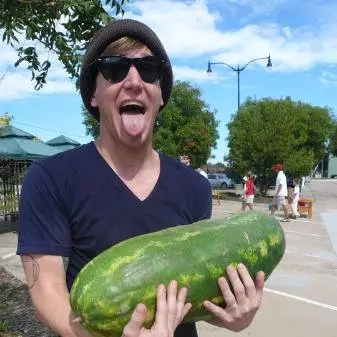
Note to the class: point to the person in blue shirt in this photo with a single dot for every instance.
(78, 203)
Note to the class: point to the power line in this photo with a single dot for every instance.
(47, 129)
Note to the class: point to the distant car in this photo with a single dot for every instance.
(333, 176)
(220, 180)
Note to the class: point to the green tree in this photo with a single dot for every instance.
(268, 131)
(63, 27)
(90, 123)
(333, 143)
(185, 126)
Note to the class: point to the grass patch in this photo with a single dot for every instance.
(235, 196)
(4, 326)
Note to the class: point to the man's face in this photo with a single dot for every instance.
(128, 108)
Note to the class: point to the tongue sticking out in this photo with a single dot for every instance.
(133, 119)
(133, 123)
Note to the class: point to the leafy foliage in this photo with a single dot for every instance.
(64, 27)
(90, 123)
(333, 144)
(185, 126)
(268, 131)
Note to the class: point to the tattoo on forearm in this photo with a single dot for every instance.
(35, 270)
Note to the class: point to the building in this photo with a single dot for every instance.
(18, 149)
(332, 166)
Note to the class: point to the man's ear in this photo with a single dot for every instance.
(93, 101)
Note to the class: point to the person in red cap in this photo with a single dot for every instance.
(281, 192)
(248, 192)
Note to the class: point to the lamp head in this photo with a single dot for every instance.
(209, 69)
(269, 64)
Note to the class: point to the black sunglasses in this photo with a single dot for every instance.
(115, 68)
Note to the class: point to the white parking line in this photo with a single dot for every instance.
(7, 256)
(302, 299)
(222, 211)
(331, 258)
(304, 233)
(309, 221)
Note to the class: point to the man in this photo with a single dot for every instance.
(248, 192)
(185, 160)
(80, 202)
(281, 192)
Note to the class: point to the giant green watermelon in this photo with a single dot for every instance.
(108, 288)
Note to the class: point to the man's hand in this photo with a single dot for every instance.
(242, 304)
(171, 310)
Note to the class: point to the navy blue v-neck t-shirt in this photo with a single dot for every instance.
(74, 205)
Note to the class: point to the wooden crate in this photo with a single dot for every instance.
(305, 207)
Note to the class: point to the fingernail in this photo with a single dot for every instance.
(221, 279)
(77, 320)
(230, 268)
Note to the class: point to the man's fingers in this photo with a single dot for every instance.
(247, 281)
(172, 303)
(182, 307)
(161, 313)
(132, 329)
(187, 308)
(238, 287)
(227, 294)
(259, 284)
(217, 311)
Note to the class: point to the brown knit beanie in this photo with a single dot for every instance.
(112, 32)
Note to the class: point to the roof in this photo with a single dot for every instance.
(9, 131)
(63, 143)
(17, 144)
(62, 140)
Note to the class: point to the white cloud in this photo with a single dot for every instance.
(186, 28)
(19, 86)
(328, 78)
(190, 30)
(187, 73)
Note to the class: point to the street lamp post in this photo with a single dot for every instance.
(238, 70)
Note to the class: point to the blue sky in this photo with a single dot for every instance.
(300, 36)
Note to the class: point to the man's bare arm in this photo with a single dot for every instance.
(46, 281)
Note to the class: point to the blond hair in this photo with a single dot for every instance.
(122, 46)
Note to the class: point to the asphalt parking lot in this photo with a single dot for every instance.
(300, 297)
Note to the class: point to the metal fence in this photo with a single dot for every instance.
(12, 173)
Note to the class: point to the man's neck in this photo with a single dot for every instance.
(126, 161)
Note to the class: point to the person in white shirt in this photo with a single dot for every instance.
(202, 172)
(295, 198)
(281, 192)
